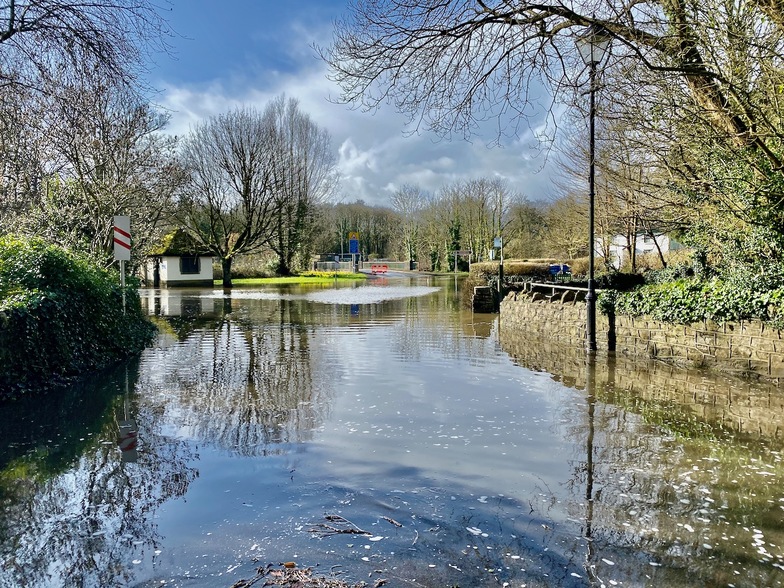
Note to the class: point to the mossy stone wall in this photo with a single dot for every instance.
(747, 348)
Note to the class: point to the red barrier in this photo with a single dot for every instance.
(378, 268)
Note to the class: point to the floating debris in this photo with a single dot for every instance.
(339, 526)
(392, 521)
(283, 575)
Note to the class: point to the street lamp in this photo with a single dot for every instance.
(592, 45)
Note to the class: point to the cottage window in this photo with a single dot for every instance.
(189, 264)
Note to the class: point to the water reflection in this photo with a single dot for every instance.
(253, 372)
(72, 507)
(241, 384)
(504, 460)
(681, 468)
(697, 402)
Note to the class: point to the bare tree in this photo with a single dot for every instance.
(408, 201)
(450, 64)
(230, 205)
(42, 40)
(436, 219)
(23, 154)
(306, 164)
(479, 211)
(79, 154)
(701, 79)
(527, 231)
(113, 159)
(632, 197)
(567, 221)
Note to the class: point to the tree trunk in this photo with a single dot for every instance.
(633, 251)
(283, 267)
(226, 265)
(658, 248)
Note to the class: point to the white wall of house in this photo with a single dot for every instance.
(174, 271)
(644, 244)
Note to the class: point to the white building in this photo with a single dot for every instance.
(618, 248)
(178, 261)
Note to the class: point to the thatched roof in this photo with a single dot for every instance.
(178, 242)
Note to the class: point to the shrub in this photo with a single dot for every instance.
(248, 266)
(619, 281)
(60, 317)
(687, 301)
(671, 273)
(579, 266)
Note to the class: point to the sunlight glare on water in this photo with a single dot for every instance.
(359, 295)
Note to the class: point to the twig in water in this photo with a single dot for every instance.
(392, 521)
(345, 527)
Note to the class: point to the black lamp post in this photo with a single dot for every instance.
(592, 45)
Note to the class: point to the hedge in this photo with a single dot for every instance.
(688, 301)
(61, 317)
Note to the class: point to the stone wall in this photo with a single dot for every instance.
(483, 299)
(554, 320)
(746, 348)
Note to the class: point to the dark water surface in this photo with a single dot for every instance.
(270, 422)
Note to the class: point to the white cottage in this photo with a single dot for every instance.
(618, 248)
(178, 261)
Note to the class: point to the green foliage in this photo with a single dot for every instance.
(740, 229)
(671, 273)
(687, 301)
(178, 242)
(60, 317)
(311, 277)
(607, 300)
(619, 281)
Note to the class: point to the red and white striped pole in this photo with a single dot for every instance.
(122, 247)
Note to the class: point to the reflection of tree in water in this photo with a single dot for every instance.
(82, 526)
(247, 384)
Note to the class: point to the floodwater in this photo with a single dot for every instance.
(383, 433)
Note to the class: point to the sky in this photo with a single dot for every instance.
(247, 52)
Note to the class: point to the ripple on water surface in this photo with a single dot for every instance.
(470, 455)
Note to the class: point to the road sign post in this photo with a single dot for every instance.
(353, 249)
(122, 248)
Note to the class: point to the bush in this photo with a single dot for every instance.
(619, 281)
(579, 266)
(687, 301)
(671, 273)
(60, 317)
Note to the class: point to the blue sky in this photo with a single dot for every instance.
(246, 52)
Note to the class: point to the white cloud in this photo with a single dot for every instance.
(375, 154)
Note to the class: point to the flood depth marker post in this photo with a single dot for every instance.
(122, 248)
